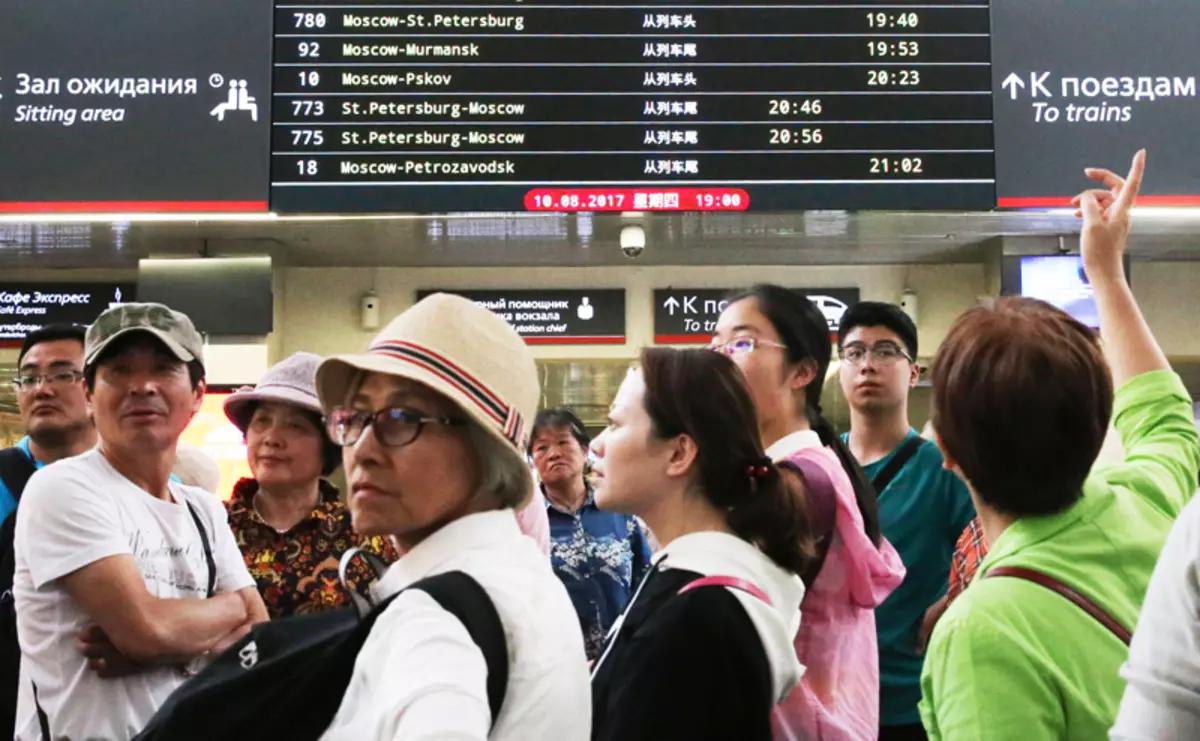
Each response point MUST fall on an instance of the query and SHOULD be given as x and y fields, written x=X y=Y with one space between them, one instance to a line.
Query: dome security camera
x=633 y=241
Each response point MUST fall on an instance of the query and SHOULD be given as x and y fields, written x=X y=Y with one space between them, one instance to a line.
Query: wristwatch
x=195 y=666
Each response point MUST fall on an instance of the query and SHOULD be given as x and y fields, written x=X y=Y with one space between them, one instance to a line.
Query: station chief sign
x=688 y=316
x=26 y=307
x=563 y=317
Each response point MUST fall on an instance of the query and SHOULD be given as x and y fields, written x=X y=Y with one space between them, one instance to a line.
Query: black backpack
x=15 y=469
x=286 y=678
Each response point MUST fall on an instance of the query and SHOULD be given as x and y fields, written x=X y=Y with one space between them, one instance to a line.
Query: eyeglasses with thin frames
x=57 y=379
x=883 y=353
x=742 y=345
x=395 y=427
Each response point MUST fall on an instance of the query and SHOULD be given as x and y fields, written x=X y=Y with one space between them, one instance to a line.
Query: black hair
x=804 y=332
x=880 y=314
x=331 y=452
x=51 y=333
x=559 y=418
x=121 y=344
x=703 y=395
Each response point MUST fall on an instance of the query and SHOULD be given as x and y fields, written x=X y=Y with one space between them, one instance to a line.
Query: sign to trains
x=689 y=315
x=1064 y=101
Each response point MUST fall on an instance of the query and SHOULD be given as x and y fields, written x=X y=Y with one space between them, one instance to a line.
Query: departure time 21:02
x=897 y=166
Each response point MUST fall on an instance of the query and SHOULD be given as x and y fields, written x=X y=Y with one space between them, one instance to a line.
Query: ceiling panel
x=578 y=240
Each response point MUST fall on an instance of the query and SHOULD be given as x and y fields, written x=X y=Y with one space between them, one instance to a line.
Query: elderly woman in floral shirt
x=289 y=521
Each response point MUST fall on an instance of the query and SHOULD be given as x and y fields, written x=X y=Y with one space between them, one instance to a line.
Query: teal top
x=922 y=512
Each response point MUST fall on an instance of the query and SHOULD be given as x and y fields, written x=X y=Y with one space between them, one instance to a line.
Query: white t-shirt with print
x=74 y=513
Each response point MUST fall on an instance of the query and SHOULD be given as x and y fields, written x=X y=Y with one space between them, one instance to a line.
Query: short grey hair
x=502 y=470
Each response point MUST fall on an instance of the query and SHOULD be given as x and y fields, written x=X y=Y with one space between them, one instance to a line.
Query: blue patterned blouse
x=600 y=557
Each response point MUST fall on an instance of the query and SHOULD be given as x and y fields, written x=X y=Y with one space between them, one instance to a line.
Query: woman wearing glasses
x=434 y=421
x=289 y=521
x=780 y=341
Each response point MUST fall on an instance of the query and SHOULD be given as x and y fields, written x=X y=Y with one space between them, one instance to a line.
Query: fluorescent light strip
x=1179 y=213
x=255 y=217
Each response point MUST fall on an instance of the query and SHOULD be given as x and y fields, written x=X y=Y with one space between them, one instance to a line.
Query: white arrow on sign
x=671 y=304
x=1011 y=83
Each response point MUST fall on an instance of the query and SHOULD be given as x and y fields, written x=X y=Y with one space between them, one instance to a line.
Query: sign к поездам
x=25 y=307
x=1063 y=102
x=566 y=317
x=689 y=316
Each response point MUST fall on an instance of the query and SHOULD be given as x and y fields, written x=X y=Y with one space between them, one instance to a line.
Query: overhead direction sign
x=688 y=316
x=556 y=316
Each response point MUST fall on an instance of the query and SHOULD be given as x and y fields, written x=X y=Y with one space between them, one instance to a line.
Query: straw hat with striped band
x=460 y=350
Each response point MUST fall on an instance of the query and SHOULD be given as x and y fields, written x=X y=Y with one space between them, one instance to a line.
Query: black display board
x=688 y=316
x=700 y=105
x=26 y=307
x=117 y=105
x=1088 y=84
x=556 y=316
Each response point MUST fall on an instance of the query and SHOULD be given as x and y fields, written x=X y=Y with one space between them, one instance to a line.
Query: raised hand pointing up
x=1106 y=218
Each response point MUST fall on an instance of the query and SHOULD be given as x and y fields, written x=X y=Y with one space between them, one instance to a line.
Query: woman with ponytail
x=780 y=341
x=705 y=648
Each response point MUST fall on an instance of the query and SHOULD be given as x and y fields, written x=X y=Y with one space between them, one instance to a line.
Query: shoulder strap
x=1054 y=585
x=822 y=508
x=43 y=719
x=893 y=467
x=15 y=470
x=732 y=582
x=208 y=556
x=463 y=597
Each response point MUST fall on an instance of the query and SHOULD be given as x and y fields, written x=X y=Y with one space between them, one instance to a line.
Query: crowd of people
x=719 y=563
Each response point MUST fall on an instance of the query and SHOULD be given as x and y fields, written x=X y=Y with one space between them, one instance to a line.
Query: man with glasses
x=923 y=508
x=53 y=407
x=123 y=576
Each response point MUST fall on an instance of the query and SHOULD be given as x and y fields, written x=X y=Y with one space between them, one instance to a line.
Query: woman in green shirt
x=1022 y=397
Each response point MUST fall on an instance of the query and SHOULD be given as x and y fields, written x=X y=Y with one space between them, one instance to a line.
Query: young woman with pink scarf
x=781 y=343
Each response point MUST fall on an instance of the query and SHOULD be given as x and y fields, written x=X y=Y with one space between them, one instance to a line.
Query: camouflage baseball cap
x=173 y=328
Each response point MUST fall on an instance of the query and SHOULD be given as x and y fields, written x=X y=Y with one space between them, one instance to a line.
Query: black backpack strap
x=208 y=556
x=43 y=721
x=893 y=467
x=461 y=596
x=15 y=469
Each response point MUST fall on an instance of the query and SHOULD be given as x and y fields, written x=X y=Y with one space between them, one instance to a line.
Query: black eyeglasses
x=395 y=427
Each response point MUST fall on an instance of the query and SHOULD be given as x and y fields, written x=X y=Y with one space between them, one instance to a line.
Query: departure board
x=700 y=105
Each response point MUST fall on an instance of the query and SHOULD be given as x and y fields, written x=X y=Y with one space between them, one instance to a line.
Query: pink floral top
x=838 y=697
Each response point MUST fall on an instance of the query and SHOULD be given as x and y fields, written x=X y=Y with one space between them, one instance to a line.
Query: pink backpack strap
x=732 y=582
x=822 y=508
